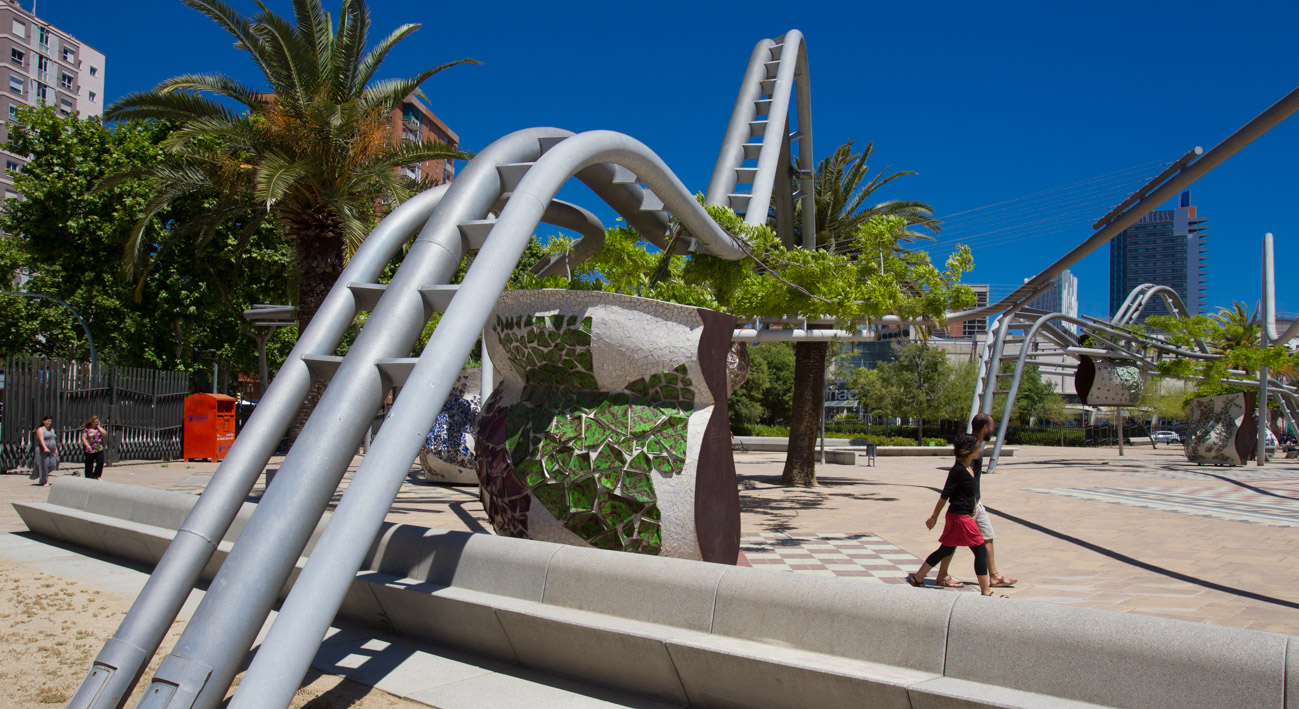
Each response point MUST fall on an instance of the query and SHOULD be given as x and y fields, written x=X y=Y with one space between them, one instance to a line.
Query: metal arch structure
x=1120 y=342
x=516 y=177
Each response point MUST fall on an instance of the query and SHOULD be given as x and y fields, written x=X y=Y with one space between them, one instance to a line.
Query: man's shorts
x=982 y=519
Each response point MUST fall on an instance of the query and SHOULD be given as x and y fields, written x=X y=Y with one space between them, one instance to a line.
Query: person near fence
x=959 y=529
x=47 y=451
x=981 y=427
x=93 y=438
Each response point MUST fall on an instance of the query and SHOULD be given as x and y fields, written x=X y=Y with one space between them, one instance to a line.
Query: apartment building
x=415 y=121
x=46 y=65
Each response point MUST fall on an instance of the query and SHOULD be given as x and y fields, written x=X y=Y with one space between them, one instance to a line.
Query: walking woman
x=47 y=451
x=92 y=444
x=959 y=527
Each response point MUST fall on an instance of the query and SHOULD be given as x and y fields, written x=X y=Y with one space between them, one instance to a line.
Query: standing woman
x=47 y=450
x=92 y=444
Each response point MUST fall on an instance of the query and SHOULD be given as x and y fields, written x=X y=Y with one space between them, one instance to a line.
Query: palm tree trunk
x=805 y=413
x=317 y=238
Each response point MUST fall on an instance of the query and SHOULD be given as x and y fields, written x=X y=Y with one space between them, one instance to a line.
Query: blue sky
x=986 y=101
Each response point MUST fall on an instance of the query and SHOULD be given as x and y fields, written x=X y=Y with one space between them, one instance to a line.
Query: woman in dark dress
x=959 y=527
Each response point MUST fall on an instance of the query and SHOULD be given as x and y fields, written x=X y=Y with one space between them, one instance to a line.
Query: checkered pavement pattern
x=1274 y=503
x=863 y=556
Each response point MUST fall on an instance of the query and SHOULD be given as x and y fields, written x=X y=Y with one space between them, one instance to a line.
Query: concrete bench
x=718 y=636
x=838 y=457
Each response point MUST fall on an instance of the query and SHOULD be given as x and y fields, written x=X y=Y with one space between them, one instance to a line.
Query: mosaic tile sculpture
x=448 y=453
x=609 y=426
x=1221 y=430
x=1108 y=382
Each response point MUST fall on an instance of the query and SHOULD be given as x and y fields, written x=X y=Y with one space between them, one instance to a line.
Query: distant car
x=1167 y=437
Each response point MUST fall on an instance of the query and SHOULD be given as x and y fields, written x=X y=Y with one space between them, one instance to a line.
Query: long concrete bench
x=717 y=636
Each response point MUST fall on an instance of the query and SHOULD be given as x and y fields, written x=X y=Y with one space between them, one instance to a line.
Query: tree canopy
x=70 y=238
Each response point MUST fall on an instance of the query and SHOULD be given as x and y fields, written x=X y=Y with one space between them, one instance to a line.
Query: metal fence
x=142 y=409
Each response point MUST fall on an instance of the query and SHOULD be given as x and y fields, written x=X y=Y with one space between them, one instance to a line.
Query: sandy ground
x=51 y=628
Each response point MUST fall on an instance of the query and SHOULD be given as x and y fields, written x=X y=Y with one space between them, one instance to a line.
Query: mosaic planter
x=1108 y=382
x=448 y=453
x=609 y=426
x=1221 y=430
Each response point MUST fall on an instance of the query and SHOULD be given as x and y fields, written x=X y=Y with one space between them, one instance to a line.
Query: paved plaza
x=1144 y=533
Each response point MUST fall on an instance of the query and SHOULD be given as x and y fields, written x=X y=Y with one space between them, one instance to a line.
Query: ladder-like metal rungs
x=475 y=232
x=436 y=298
x=512 y=173
x=745 y=175
x=395 y=371
x=767 y=86
x=623 y=176
x=772 y=67
x=739 y=202
x=775 y=50
x=752 y=151
x=762 y=106
x=757 y=129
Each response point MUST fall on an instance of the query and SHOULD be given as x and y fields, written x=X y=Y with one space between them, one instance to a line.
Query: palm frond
x=154 y=104
x=370 y=63
x=214 y=83
x=391 y=92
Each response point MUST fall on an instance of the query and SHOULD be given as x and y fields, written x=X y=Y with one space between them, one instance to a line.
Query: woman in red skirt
x=959 y=529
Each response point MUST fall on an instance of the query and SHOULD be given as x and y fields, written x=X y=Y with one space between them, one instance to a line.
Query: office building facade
x=1060 y=297
x=46 y=65
x=1167 y=247
x=972 y=328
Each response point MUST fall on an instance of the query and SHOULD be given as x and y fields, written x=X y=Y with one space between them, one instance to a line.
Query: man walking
x=981 y=427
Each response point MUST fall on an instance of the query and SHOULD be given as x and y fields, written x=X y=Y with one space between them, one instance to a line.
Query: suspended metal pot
x=1101 y=381
x=448 y=453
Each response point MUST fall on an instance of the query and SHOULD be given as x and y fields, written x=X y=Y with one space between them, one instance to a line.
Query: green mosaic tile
x=582 y=494
x=637 y=486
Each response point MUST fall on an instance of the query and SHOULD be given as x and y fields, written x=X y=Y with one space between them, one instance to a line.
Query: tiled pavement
x=1256 y=506
x=1202 y=551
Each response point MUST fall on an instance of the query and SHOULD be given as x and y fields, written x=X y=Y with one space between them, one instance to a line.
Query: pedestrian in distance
x=981 y=427
x=93 y=437
x=47 y=451
x=959 y=527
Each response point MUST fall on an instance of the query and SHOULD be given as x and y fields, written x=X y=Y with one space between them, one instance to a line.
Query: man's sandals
x=1000 y=581
x=949 y=582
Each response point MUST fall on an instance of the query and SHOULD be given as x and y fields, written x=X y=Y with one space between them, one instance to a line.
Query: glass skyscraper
x=1167 y=247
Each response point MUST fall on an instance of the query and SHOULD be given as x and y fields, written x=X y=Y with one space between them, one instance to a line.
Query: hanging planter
x=1108 y=382
x=1221 y=430
x=609 y=426
x=448 y=453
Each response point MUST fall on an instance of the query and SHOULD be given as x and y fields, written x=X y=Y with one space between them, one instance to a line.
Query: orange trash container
x=209 y=426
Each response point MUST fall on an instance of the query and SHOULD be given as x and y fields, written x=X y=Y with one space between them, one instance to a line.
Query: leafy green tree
x=843 y=207
x=764 y=396
x=915 y=384
x=69 y=237
x=1234 y=336
x=315 y=151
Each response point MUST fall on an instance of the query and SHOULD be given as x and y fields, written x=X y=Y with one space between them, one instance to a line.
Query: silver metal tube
x=1269 y=327
x=243 y=592
x=287 y=651
x=981 y=382
x=120 y=663
x=807 y=179
x=764 y=182
x=751 y=335
x=1247 y=134
x=994 y=364
x=731 y=154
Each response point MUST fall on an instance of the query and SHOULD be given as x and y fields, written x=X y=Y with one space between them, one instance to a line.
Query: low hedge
x=857 y=439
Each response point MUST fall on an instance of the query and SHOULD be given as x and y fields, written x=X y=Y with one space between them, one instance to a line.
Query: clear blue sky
x=987 y=101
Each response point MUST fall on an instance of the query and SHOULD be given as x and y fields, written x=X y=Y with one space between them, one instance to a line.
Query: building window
x=65 y=105
x=66 y=81
x=69 y=54
x=17 y=56
x=92 y=96
x=20 y=28
x=13 y=111
x=16 y=85
x=94 y=71
x=41 y=92
x=43 y=38
x=11 y=166
x=42 y=67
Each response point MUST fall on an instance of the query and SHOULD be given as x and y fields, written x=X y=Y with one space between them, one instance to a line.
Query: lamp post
x=269 y=317
x=75 y=314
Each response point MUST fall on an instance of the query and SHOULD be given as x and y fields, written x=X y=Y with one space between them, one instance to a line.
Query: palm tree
x=1238 y=329
x=841 y=207
x=315 y=152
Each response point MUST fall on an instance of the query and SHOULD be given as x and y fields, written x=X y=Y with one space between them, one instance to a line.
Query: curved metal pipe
x=122 y=660
x=286 y=652
x=223 y=628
